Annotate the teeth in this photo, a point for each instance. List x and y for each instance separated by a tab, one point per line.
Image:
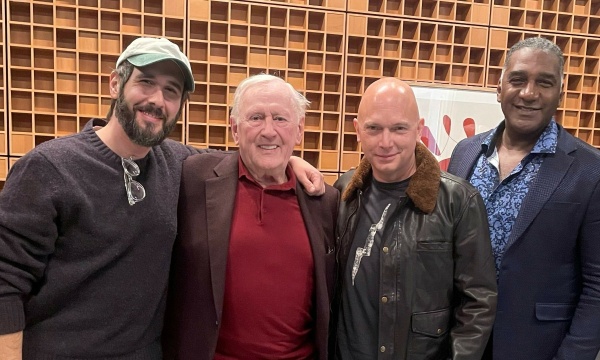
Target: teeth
149	114
268	147
526	108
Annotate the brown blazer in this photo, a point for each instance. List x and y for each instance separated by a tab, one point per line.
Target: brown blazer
197	280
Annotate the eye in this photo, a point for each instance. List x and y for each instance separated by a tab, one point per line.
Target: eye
372	128
398	128
172	93
279	119
546	83
517	81
255	118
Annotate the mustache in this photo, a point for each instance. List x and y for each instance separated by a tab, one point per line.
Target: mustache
152	110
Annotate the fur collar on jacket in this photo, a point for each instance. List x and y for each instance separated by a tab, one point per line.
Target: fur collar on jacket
423	186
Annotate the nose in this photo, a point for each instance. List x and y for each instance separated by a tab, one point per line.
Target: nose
530	91
269	126
156	97
386	139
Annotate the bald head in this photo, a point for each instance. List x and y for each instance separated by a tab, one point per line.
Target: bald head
388	93
388	127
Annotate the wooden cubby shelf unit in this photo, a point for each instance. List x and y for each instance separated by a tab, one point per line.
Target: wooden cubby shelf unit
472	12
57	57
564	16
316	4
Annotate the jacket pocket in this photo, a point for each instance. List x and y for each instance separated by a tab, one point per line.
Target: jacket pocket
554	311
561	206
429	245
431	323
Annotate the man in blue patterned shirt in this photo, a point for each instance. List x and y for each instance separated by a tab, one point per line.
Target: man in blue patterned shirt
541	187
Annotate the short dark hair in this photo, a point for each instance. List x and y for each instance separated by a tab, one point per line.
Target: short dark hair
538	43
123	71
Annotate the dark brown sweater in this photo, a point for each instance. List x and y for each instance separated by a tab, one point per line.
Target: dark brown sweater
81	271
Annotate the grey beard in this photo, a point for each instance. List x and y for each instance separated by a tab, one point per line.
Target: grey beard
140	136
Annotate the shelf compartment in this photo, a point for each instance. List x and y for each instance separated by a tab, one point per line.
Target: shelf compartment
331	122
258	36
20	56
43	80
66	38
65	17
277	38
197	134
63	61
20	79
239	13
19	34
21	101
44	124
217	135
277	59
312	121
66	125
198	51
329	160
20	144
316	41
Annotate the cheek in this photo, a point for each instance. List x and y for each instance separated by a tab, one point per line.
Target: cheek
174	108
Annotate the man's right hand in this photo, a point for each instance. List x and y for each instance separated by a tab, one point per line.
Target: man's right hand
11	346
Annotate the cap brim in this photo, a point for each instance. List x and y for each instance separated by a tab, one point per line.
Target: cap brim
142	60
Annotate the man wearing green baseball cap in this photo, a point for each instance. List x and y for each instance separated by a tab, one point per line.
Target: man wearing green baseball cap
88	221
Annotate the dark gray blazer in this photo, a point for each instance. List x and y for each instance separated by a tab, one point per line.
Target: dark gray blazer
549	283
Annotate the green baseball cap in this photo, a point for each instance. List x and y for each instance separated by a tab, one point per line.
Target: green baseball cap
144	51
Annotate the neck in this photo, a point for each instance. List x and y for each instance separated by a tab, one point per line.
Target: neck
517	142
117	140
266	179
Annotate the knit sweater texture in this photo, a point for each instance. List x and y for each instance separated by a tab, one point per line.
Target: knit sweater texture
81	271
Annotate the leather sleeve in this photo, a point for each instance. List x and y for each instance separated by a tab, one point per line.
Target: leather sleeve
474	281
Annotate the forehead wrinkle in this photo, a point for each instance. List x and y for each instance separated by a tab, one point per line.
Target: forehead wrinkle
254	94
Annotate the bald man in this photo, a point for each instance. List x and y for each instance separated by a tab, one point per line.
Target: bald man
416	272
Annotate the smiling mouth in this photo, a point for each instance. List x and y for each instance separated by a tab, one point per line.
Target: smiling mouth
268	147
527	108
387	156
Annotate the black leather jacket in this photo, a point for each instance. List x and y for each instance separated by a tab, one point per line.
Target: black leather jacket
438	282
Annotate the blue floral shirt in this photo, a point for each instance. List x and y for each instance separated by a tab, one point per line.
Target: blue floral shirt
503	199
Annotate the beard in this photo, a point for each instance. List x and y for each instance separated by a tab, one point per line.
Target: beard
147	136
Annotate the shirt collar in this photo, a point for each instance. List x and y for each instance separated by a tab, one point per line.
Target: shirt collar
290	184
546	143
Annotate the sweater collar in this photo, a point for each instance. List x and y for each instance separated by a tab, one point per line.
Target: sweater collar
423	186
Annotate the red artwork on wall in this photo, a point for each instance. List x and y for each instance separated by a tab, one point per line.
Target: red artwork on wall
436	147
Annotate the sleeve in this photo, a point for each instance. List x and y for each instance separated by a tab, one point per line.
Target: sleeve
474	282
28	232
583	338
